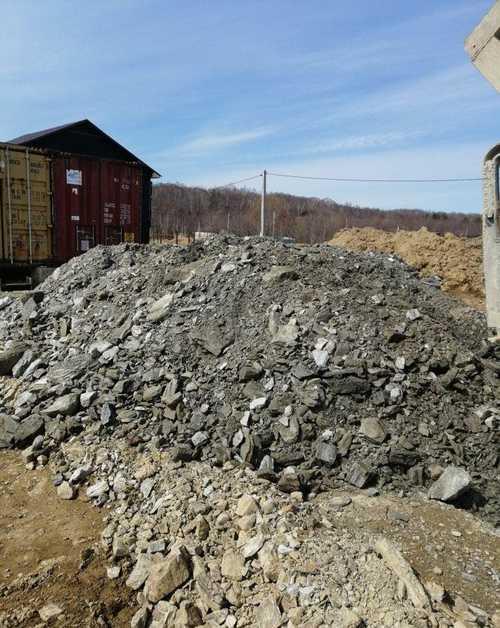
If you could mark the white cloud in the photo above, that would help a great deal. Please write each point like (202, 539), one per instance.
(216, 141)
(363, 142)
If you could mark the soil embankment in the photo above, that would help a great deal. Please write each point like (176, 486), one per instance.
(457, 261)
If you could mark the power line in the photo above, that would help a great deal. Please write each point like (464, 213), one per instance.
(227, 185)
(340, 180)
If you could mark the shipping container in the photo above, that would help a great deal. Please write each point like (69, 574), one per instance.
(26, 225)
(64, 190)
(96, 201)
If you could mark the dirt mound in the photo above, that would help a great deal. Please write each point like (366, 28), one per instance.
(457, 261)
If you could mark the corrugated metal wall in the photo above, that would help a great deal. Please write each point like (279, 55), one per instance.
(25, 206)
(96, 201)
(55, 206)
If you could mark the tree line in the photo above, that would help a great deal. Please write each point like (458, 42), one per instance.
(179, 210)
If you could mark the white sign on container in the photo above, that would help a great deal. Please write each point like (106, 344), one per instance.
(74, 177)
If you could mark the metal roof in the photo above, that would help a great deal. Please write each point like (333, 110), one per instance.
(29, 137)
(41, 139)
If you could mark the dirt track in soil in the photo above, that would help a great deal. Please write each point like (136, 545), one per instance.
(457, 261)
(49, 554)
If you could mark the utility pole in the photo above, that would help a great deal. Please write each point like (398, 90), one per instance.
(263, 203)
(228, 217)
(274, 222)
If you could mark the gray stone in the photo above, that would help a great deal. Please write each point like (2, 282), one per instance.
(350, 385)
(373, 430)
(70, 369)
(28, 429)
(289, 481)
(10, 356)
(121, 546)
(359, 474)
(21, 365)
(200, 438)
(400, 567)
(286, 334)
(277, 274)
(258, 403)
(99, 347)
(107, 413)
(4, 302)
(266, 467)
(246, 506)
(147, 487)
(113, 572)
(161, 308)
(213, 339)
(66, 405)
(452, 483)
(326, 452)
(288, 429)
(250, 372)
(79, 475)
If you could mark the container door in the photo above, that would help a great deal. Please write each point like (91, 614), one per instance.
(77, 187)
(25, 205)
(121, 202)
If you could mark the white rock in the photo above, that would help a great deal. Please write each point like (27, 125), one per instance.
(99, 488)
(49, 611)
(257, 404)
(253, 546)
(451, 484)
(66, 491)
(320, 357)
(113, 572)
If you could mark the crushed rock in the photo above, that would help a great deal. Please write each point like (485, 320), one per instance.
(195, 401)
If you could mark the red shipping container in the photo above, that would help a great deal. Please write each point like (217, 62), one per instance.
(96, 201)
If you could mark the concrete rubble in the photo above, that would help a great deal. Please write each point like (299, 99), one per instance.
(204, 395)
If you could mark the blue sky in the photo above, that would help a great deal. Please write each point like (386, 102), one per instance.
(210, 92)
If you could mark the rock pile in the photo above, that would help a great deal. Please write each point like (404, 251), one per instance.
(216, 546)
(313, 366)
